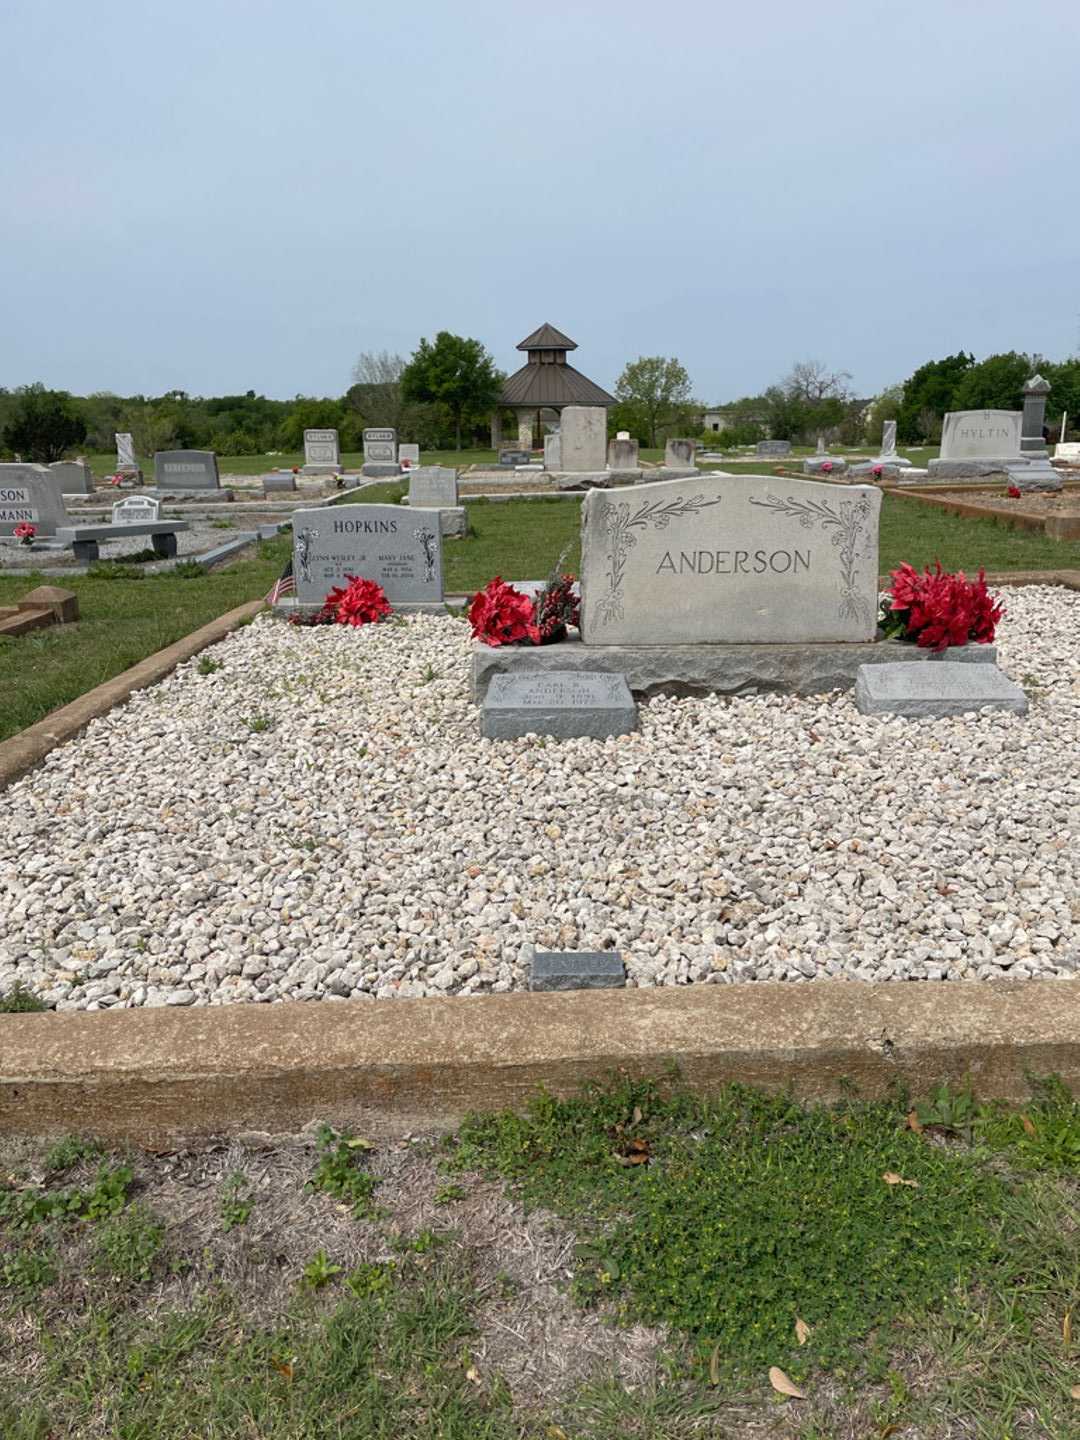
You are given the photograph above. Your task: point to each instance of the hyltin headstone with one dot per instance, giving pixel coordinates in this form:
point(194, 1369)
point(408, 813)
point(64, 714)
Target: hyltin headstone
point(401, 551)
point(322, 453)
point(186, 470)
point(380, 451)
point(30, 494)
point(734, 559)
point(136, 510)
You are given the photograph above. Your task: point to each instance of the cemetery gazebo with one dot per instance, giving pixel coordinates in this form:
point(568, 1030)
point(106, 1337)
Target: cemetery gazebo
point(545, 383)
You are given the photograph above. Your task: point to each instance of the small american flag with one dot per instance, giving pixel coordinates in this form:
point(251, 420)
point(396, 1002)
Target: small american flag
point(286, 585)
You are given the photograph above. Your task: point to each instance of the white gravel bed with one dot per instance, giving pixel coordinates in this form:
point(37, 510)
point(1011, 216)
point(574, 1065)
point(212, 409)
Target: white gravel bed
point(369, 843)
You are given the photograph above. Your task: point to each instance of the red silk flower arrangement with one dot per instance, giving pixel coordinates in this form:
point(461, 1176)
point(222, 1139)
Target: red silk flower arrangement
point(501, 615)
point(360, 602)
point(24, 532)
point(1013, 492)
point(936, 609)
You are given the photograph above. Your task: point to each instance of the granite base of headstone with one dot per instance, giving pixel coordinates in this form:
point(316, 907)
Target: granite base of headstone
point(824, 465)
point(928, 691)
point(582, 480)
point(577, 970)
point(1034, 476)
point(564, 704)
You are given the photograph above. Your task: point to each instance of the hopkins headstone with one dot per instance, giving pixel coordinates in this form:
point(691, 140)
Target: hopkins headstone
point(773, 447)
point(433, 486)
point(73, 476)
point(322, 452)
point(186, 470)
point(385, 543)
point(380, 451)
point(136, 510)
point(583, 432)
point(125, 452)
point(29, 494)
point(733, 559)
point(564, 703)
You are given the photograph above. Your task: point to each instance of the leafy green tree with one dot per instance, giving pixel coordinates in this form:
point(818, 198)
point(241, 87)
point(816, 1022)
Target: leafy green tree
point(996, 383)
point(454, 372)
point(885, 406)
point(929, 394)
point(1064, 394)
point(655, 393)
point(787, 415)
point(44, 424)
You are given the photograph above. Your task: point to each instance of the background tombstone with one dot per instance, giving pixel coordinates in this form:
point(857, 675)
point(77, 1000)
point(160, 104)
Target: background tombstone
point(385, 543)
point(411, 453)
point(186, 470)
point(888, 438)
point(125, 452)
point(322, 452)
point(735, 559)
point(978, 442)
point(680, 454)
point(278, 480)
point(583, 433)
point(622, 454)
point(553, 450)
point(773, 447)
point(73, 476)
point(136, 510)
point(510, 457)
point(1031, 438)
point(30, 493)
point(380, 451)
point(433, 486)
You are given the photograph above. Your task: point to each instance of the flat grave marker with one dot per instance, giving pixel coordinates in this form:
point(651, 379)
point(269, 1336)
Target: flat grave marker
point(927, 691)
point(568, 704)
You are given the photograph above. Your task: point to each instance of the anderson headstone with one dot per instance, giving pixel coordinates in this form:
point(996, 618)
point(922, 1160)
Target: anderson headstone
point(30, 494)
point(186, 470)
point(738, 559)
point(400, 550)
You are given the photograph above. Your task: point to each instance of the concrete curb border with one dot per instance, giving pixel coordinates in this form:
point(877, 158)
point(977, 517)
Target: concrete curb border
point(166, 1077)
point(29, 747)
point(1039, 524)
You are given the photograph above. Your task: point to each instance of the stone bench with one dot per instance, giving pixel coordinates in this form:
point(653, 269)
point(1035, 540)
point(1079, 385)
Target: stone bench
point(85, 539)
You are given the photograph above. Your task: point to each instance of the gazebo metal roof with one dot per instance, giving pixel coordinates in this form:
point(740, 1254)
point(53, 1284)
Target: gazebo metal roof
point(550, 383)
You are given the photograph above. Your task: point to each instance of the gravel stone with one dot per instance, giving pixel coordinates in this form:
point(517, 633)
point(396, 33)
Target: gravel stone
point(370, 844)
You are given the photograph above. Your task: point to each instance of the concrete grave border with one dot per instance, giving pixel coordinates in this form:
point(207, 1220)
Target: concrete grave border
point(164, 1077)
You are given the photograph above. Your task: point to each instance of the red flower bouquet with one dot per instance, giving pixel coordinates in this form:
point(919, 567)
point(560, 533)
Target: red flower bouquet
point(1013, 492)
point(360, 602)
point(25, 532)
point(936, 609)
point(501, 615)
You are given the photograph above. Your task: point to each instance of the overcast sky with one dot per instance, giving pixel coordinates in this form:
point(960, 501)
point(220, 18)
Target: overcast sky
point(245, 194)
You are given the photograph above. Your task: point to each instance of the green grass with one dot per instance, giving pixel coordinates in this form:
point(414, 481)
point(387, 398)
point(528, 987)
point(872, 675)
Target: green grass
point(105, 464)
point(936, 1309)
point(125, 616)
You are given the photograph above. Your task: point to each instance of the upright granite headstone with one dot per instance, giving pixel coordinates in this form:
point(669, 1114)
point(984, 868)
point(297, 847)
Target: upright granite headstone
point(510, 455)
point(278, 480)
point(553, 450)
point(73, 476)
point(136, 510)
point(125, 452)
point(322, 452)
point(380, 451)
point(773, 447)
point(1032, 441)
point(583, 429)
point(888, 438)
point(385, 543)
point(186, 470)
point(622, 454)
point(30, 494)
point(433, 486)
point(739, 558)
point(408, 453)
point(678, 454)
point(977, 442)
point(565, 703)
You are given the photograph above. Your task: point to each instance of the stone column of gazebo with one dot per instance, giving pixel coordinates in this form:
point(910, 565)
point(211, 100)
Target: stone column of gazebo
point(538, 392)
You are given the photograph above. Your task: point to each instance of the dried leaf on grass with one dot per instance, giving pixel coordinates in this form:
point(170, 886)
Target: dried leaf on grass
point(780, 1382)
point(714, 1367)
point(283, 1367)
point(1075, 1392)
point(1028, 1125)
point(634, 1152)
point(913, 1122)
point(802, 1331)
point(1066, 1329)
point(473, 1374)
point(891, 1178)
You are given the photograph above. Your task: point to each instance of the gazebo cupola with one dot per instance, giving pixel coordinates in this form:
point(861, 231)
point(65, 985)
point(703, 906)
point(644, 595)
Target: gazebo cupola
point(544, 383)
